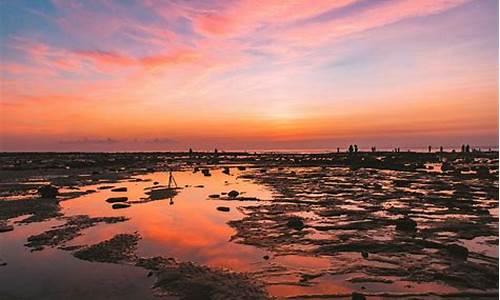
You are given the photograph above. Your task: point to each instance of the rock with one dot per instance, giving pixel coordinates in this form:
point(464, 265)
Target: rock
point(242, 168)
point(214, 196)
point(5, 227)
point(226, 170)
point(364, 254)
point(223, 208)
point(116, 199)
point(406, 224)
point(358, 296)
point(120, 189)
point(206, 172)
point(483, 172)
point(295, 223)
point(266, 257)
point(457, 251)
point(105, 187)
point(120, 205)
point(156, 183)
point(196, 170)
point(233, 194)
point(48, 191)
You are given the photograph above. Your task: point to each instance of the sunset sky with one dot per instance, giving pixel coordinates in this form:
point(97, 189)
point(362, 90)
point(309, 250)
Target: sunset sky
point(242, 74)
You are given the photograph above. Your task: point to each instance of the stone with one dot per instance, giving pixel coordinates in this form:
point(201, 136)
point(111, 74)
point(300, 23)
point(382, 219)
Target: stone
point(295, 223)
point(406, 224)
point(233, 194)
point(48, 191)
point(116, 199)
point(457, 251)
point(120, 205)
point(358, 296)
point(5, 227)
point(119, 189)
point(223, 208)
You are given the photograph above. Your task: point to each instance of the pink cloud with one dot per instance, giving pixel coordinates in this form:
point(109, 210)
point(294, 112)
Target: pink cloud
point(239, 17)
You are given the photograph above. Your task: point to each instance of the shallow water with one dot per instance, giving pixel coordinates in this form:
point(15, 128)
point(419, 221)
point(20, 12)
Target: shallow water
point(189, 227)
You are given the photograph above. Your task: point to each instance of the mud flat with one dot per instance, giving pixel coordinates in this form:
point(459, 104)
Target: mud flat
point(298, 226)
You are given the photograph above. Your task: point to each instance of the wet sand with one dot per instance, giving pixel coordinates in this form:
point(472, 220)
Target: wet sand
point(301, 226)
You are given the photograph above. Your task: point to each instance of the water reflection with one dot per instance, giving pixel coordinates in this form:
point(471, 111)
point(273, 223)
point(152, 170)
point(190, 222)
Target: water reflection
point(187, 226)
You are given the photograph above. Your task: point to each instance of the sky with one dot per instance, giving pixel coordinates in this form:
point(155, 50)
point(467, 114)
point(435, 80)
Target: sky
point(247, 74)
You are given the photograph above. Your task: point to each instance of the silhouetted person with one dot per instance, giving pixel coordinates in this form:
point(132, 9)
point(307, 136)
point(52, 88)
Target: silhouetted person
point(467, 148)
point(215, 151)
point(190, 151)
point(374, 149)
point(338, 150)
point(397, 150)
point(356, 148)
point(351, 149)
point(430, 149)
point(441, 149)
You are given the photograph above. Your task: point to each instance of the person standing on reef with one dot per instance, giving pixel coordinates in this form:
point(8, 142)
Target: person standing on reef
point(430, 149)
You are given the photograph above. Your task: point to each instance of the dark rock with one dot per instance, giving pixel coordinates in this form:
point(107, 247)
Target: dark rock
point(5, 227)
point(226, 170)
point(120, 205)
point(233, 194)
point(105, 187)
point(214, 196)
point(156, 183)
point(206, 172)
point(364, 254)
point(295, 223)
point(266, 257)
point(48, 191)
point(116, 199)
point(406, 224)
point(120, 189)
point(358, 296)
point(223, 208)
point(242, 168)
point(483, 172)
point(457, 251)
